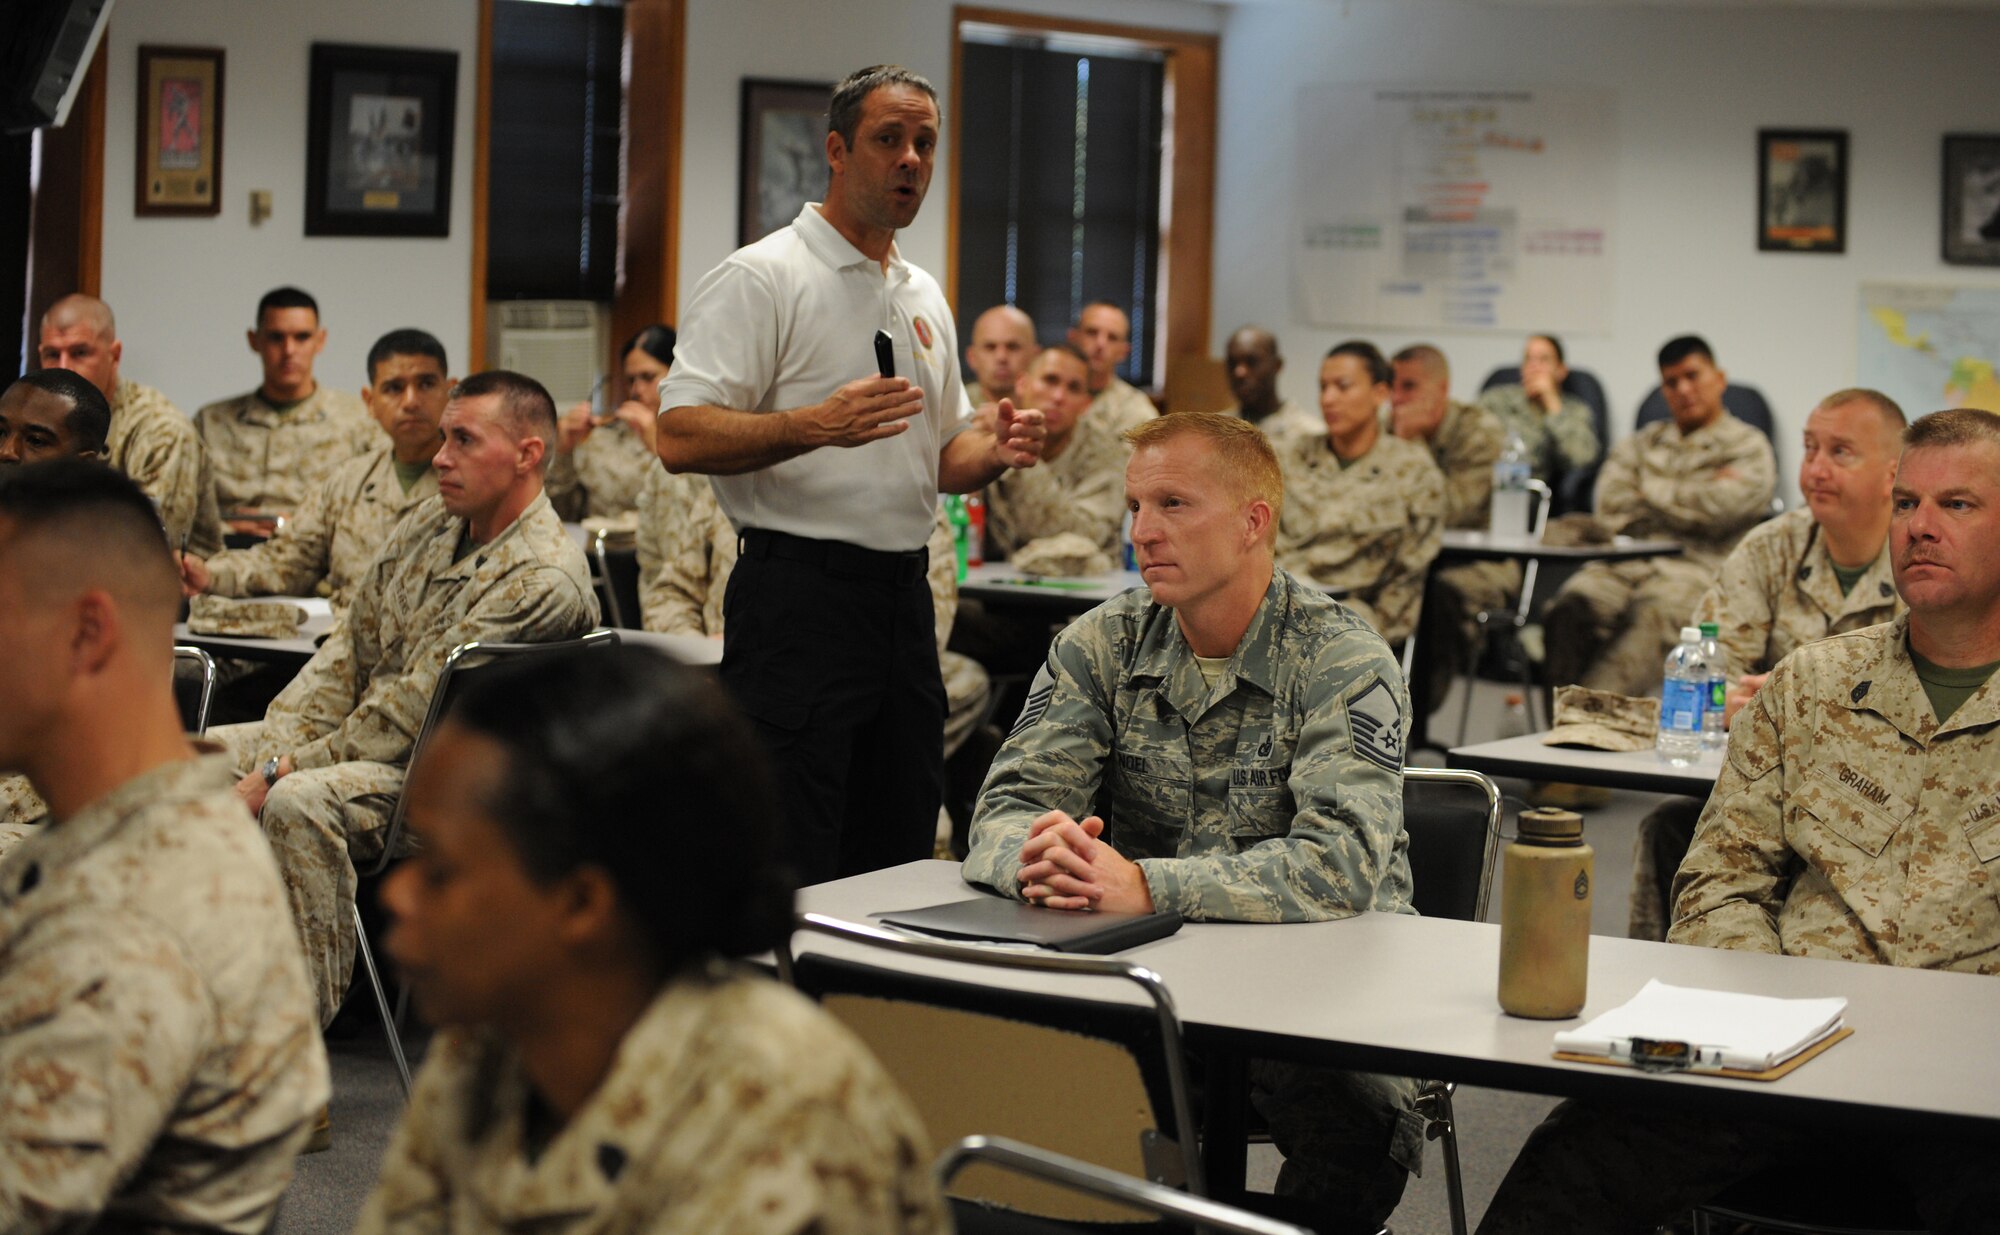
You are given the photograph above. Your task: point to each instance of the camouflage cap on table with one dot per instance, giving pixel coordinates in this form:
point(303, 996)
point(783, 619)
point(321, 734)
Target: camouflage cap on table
point(244, 619)
point(1064, 555)
point(1603, 720)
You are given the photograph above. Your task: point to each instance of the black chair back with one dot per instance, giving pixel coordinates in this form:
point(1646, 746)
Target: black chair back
point(194, 687)
point(1453, 821)
point(617, 582)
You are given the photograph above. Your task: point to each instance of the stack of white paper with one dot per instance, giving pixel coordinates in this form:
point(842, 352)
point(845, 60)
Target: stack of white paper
point(1720, 1029)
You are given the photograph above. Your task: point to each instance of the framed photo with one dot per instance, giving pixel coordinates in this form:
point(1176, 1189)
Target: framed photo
point(783, 156)
point(1802, 190)
point(378, 141)
point(180, 131)
point(1972, 199)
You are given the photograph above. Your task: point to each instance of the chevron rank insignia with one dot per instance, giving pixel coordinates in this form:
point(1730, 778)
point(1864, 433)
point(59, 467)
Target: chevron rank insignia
point(1376, 720)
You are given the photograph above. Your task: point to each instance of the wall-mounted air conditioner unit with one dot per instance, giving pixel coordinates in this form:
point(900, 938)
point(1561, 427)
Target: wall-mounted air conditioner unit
point(560, 343)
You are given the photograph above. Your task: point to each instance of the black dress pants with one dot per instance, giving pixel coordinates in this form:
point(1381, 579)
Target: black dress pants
point(831, 651)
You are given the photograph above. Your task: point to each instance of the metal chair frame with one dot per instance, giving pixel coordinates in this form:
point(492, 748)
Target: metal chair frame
point(614, 605)
point(1186, 1140)
point(1515, 621)
point(205, 667)
point(1108, 1185)
point(454, 664)
point(1434, 1101)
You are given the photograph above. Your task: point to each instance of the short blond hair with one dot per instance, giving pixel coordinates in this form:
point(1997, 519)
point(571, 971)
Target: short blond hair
point(1243, 455)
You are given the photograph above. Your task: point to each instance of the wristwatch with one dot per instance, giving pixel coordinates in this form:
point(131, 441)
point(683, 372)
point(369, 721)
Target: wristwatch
point(270, 770)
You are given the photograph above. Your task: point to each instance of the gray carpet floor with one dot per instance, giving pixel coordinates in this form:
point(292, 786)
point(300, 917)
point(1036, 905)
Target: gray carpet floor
point(330, 1187)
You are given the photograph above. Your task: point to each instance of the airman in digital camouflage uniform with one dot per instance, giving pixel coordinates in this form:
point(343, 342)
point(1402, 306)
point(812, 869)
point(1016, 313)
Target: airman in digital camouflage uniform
point(1702, 478)
point(1465, 441)
point(1226, 744)
point(602, 465)
point(269, 448)
point(1364, 508)
point(1554, 425)
point(1080, 484)
point(334, 535)
point(158, 1052)
point(687, 549)
point(1802, 576)
point(150, 439)
point(660, 1089)
point(486, 560)
point(1858, 819)
point(1251, 361)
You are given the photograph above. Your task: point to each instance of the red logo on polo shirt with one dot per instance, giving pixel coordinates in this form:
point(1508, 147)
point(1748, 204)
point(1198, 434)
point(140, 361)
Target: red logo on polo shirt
point(923, 333)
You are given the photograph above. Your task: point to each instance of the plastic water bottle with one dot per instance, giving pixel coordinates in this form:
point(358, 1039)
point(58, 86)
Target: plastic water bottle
point(1128, 557)
point(1714, 735)
point(961, 528)
point(1509, 511)
point(1683, 700)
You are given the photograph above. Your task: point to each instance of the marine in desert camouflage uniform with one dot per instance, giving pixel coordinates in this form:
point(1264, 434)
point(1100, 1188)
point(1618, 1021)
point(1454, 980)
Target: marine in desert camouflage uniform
point(682, 1094)
point(157, 1044)
point(1080, 485)
point(270, 447)
point(1701, 478)
point(1554, 425)
point(150, 440)
point(1251, 362)
point(1103, 336)
point(1857, 819)
point(460, 568)
point(1784, 587)
point(1363, 508)
point(333, 536)
point(1002, 343)
point(1227, 745)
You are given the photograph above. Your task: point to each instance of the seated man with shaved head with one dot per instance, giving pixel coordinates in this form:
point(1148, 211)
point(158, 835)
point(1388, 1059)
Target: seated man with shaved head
point(150, 439)
point(157, 1044)
point(52, 414)
point(1252, 363)
point(1002, 344)
point(487, 559)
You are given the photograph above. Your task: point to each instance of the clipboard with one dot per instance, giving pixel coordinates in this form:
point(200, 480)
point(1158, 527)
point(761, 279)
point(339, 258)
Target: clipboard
point(1737, 1074)
point(997, 919)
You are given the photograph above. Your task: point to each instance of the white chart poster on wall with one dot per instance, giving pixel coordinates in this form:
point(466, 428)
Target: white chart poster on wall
point(1450, 208)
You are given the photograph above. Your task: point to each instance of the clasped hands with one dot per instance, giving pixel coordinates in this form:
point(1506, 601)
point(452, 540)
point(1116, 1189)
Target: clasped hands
point(1064, 865)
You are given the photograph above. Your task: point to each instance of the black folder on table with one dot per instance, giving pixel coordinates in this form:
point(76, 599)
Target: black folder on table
point(995, 918)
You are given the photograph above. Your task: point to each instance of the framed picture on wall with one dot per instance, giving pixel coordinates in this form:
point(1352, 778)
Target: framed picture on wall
point(783, 155)
point(1802, 190)
point(1972, 199)
point(378, 141)
point(180, 131)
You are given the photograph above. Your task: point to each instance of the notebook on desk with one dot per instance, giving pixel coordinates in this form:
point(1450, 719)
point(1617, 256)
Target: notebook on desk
point(997, 919)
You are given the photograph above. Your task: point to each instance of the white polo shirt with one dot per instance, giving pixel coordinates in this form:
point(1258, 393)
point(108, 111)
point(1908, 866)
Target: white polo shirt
point(785, 322)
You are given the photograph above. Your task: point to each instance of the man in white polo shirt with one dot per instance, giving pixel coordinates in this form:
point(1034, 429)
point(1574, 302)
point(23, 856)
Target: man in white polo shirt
point(827, 637)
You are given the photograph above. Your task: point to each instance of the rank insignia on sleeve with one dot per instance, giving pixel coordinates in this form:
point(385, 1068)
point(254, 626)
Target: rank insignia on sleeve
point(1039, 692)
point(1376, 720)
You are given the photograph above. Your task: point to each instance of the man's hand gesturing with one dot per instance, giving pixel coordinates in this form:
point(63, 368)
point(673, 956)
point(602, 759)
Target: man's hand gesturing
point(1017, 435)
point(863, 411)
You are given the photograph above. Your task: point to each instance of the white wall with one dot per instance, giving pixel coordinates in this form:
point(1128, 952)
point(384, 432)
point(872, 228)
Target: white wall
point(185, 289)
point(824, 40)
point(1693, 88)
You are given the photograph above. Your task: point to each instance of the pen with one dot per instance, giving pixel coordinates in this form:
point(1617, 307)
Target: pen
point(1067, 585)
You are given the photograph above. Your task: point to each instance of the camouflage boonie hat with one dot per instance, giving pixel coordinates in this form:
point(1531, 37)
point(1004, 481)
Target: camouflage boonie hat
point(1576, 528)
point(1064, 555)
point(1603, 720)
point(244, 619)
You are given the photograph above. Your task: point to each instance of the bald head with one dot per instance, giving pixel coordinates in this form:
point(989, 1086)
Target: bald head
point(1003, 341)
point(1251, 362)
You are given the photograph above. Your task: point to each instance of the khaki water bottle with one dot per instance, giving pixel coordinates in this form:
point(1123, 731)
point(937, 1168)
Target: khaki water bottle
point(1545, 917)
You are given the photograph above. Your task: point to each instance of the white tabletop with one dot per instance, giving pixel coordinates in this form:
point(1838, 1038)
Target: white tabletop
point(1416, 996)
point(1527, 758)
point(1462, 545)
point(687, 649)
point(1000, 583)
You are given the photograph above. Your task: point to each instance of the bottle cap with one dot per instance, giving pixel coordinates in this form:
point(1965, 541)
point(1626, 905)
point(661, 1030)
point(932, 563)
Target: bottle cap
point(1710, 630)
point(1690, 634)
point(1550, 826)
